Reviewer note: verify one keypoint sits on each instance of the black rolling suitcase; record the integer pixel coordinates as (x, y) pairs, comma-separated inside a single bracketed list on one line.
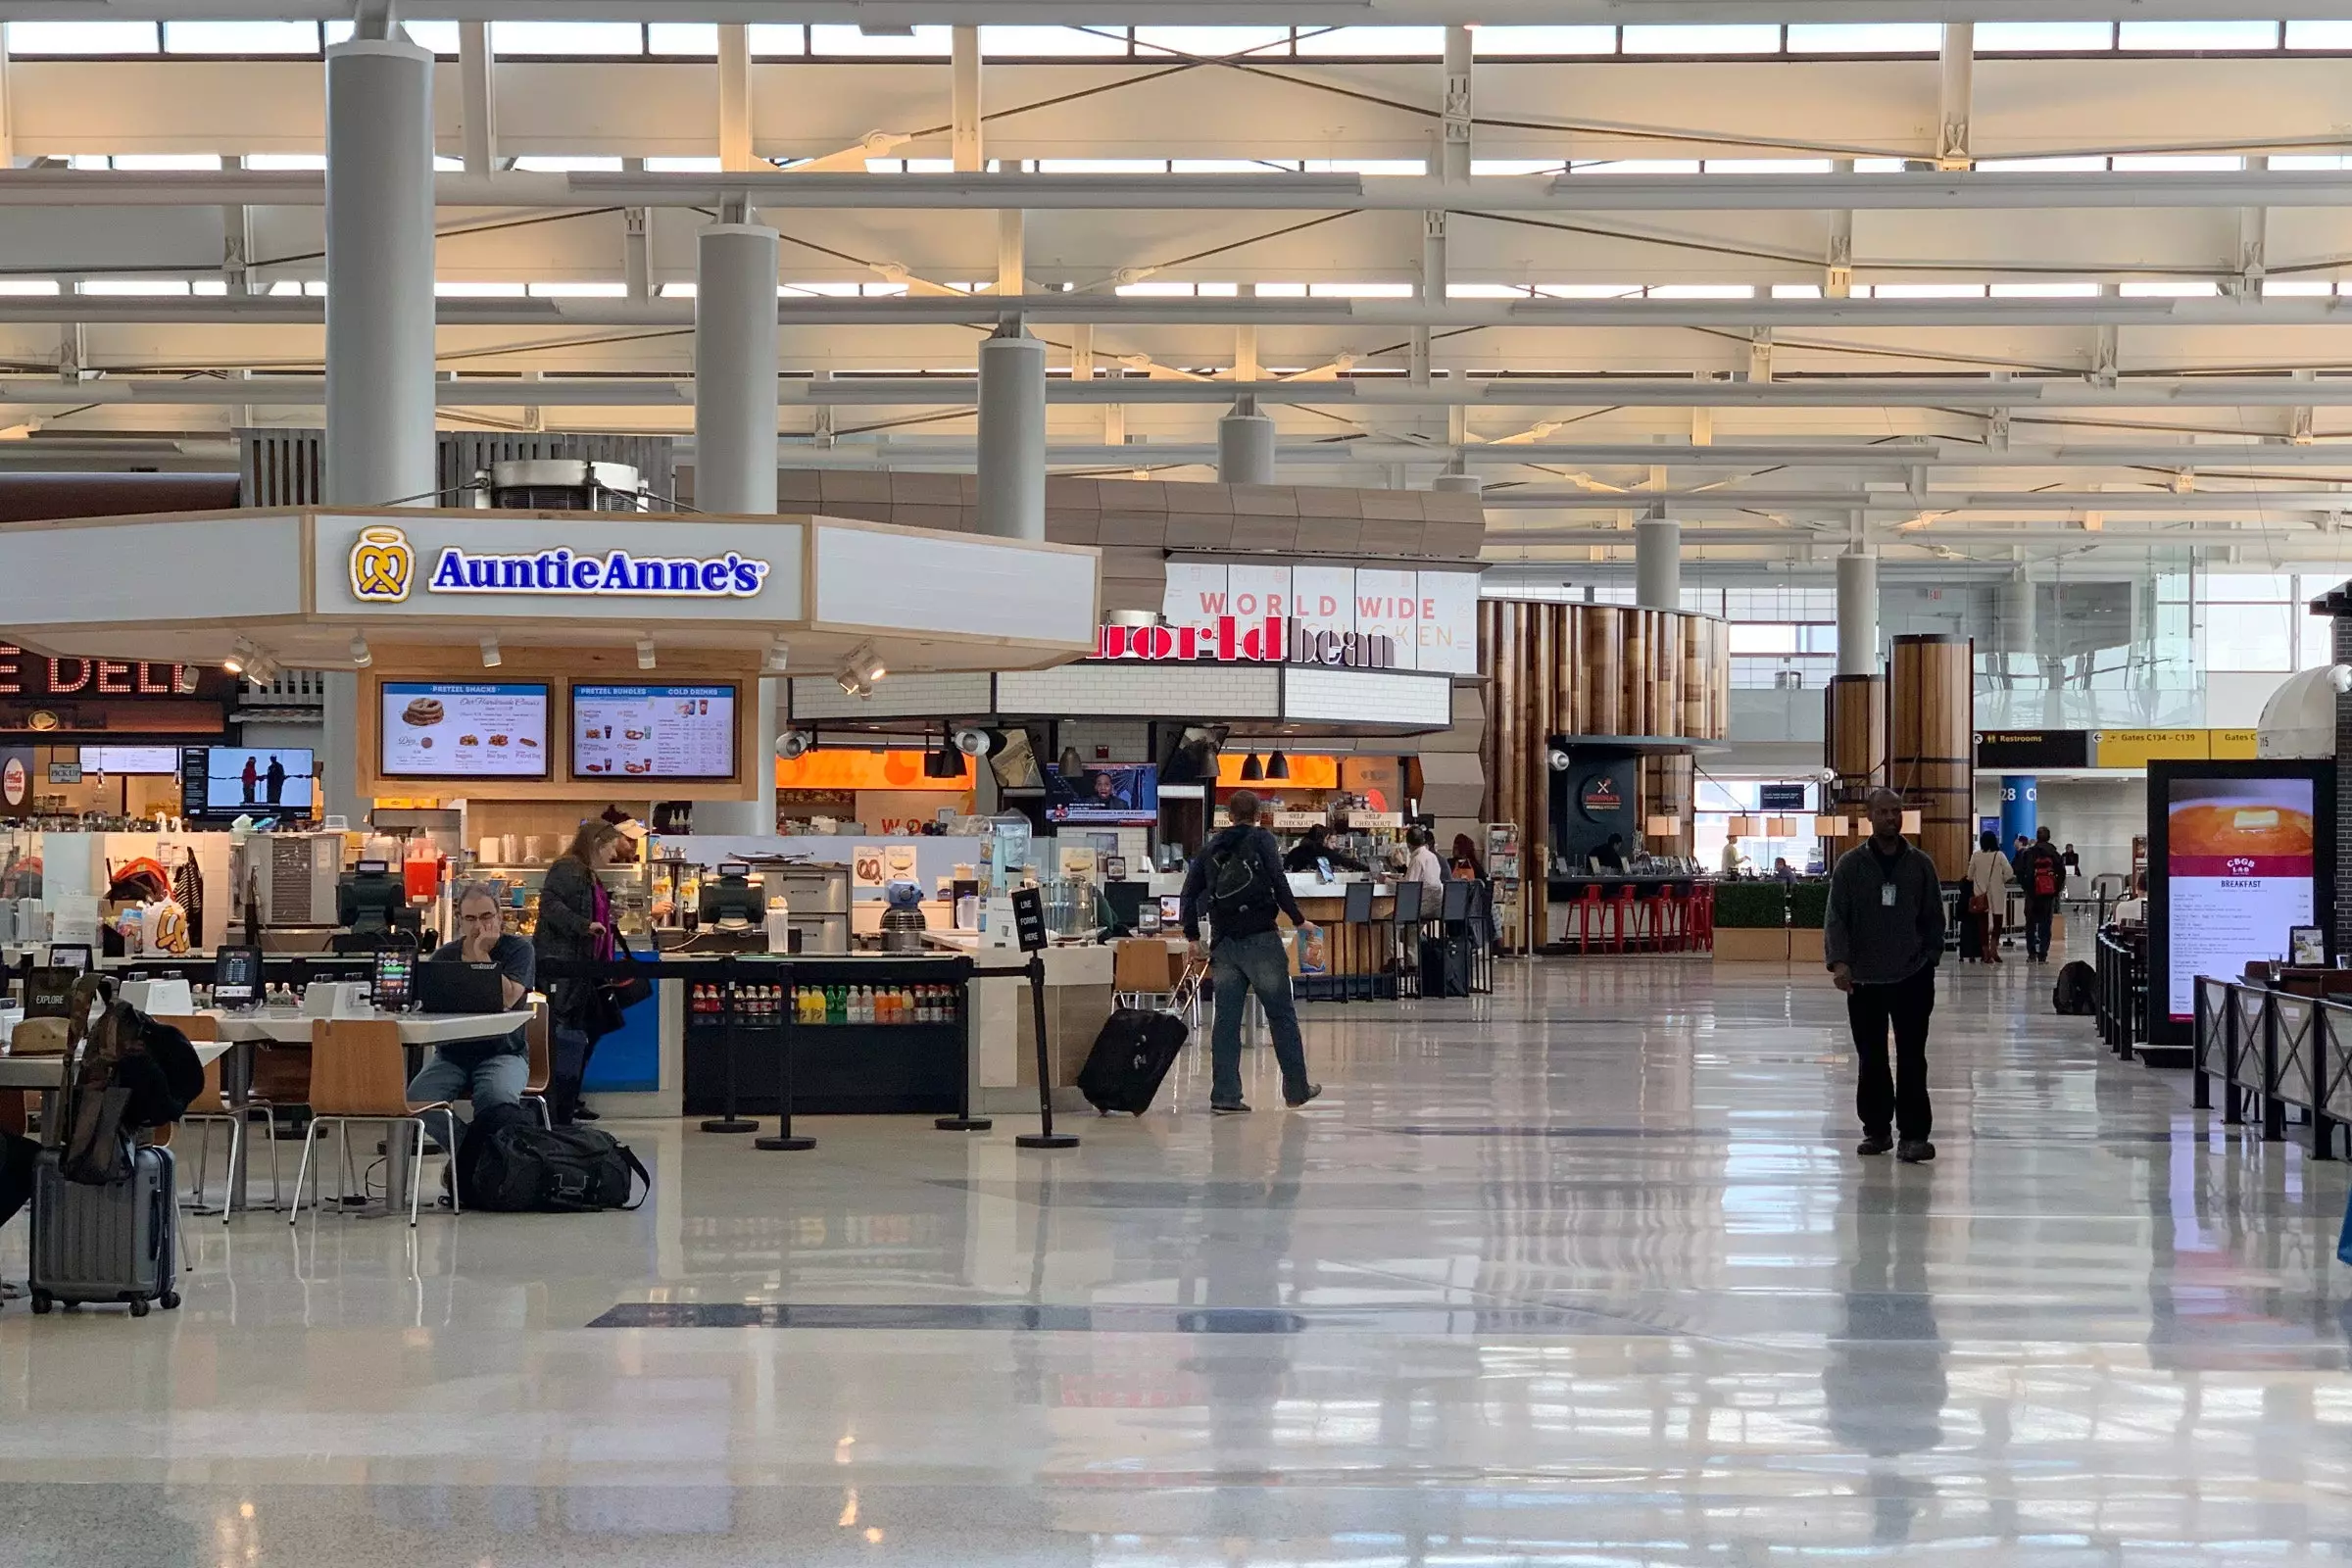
[(1444, 967), (1131, 1060)]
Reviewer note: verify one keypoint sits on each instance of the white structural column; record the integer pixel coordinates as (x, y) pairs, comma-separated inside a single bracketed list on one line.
[(735, 98), (379, 320), (1658, 563), (1245, 444), (1453, 168), (1858, 613), (963, 100), (1012, 434), (1956, 95), (379, 273), (475, 64), (735, 446)]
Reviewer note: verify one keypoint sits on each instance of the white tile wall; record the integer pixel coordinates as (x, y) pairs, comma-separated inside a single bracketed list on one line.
[(896, 696), (1127, 739), (1144, 691), (1368, 696)]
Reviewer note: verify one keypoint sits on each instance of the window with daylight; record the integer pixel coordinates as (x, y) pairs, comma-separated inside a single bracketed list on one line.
[(83, 38)]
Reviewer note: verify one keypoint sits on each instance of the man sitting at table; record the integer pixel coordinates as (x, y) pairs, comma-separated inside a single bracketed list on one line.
[(493, 1071)]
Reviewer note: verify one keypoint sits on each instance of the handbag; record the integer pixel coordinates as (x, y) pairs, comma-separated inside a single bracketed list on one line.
[(618, 994)]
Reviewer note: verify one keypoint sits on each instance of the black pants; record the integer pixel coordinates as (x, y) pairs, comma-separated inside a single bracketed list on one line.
[(2039, 912), (568, 1058), (1900, 1101)]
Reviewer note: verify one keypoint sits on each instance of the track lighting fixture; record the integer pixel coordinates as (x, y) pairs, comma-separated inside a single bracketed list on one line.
[(778, 657), (362, 656), (491, 656), (645, 652)]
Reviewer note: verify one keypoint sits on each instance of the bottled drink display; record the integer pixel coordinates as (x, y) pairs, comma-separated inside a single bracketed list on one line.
[(763, 1006)]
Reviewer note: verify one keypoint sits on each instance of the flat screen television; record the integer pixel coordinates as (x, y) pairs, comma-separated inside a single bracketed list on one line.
[(1108, 795), (457, 730), (663, 733), (119, 761), (227, 781)]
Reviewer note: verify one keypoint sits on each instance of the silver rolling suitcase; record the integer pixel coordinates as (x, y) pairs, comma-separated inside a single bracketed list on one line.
[(105, 1243)]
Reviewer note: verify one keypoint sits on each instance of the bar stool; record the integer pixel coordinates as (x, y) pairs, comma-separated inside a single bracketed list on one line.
[(1405, 938), (1627, 904), (1356, 926), (1669, 913), (1587, 912), (1703, 917)]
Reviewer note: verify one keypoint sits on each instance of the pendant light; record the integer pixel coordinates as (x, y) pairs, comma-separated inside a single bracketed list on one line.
[(1278, 766), (1252, 769)]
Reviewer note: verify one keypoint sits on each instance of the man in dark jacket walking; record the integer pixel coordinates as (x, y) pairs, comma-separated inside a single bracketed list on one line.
[(1238, 881), (2041, 873), (1883, 938)]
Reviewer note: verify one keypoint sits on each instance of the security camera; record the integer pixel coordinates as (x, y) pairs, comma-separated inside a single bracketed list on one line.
[(1561, 760), (971, 741), (794, 743), (2340, 676)]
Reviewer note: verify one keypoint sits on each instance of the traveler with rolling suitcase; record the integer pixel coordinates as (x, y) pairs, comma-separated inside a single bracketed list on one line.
[(1137, 1047), (1239, 883)]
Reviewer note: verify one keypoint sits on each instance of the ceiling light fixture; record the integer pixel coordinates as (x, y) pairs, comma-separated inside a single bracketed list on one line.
[(241, 653), (361, 655), (645, 652), (859, 670), (779, 656), (1278, 766), (1252, 769), (491, 656)]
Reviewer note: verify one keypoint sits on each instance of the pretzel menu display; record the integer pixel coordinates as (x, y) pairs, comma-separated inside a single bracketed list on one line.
[(459, 730)]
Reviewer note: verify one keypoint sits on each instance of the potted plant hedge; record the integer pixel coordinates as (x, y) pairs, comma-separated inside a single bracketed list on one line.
[(1751, 922)]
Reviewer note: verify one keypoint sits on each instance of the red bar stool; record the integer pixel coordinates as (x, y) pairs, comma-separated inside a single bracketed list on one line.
[(1703, 917), (1669, 913), (1627, 903), (1588, 914)]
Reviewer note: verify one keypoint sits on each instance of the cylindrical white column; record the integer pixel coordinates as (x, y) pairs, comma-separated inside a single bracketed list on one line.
[(1858, 613), (1246, 445), (1658, 563), (2013, 608), (379, 273), (735, 370), (1012, 437), (735, 453)]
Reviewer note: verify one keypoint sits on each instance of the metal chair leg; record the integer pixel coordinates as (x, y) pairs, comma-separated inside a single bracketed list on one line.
[(269, 1122), (203, 1154), (309, 1136), (416, 1172), (236, 1145)]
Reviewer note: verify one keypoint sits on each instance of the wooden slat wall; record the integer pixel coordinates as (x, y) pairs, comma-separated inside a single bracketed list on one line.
[(1931, 752), (1593, 669), (1853, 747), (1668, 782)]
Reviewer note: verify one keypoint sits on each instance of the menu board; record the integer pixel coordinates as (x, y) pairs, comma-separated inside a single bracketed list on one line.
[(462, 730), (655, 732), (2239, 859)]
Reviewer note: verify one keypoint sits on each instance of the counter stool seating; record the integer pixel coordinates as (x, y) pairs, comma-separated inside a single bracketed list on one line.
[(360, 1073), (1630, 924), (1668, 917), (1355, 922), (1589, 914), (212, 1108), (1405, 938), (534, 1089), (1703, 917)]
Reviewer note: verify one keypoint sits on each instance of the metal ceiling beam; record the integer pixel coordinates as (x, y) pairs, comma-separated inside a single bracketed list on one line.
[(957, 391), (1123, 12), (779, 189), (2302, 540), (2127, 503)]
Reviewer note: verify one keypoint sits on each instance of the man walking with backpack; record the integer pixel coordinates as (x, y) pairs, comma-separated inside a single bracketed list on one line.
[(2041, 873), (1239, 883)]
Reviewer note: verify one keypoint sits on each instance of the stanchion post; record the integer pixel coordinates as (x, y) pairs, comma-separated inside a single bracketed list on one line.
[(1029, 922), (963, 1121), (731, 1122), (785, 1139)]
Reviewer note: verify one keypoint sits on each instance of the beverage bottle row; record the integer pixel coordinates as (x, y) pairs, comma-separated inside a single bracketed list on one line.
[(883, 1004)]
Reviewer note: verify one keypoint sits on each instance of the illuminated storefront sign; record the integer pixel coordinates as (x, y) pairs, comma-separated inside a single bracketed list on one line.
[(384, 568), (1266, 639)]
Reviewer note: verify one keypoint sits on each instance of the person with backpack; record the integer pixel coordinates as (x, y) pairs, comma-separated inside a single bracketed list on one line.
[(1237, 880), (2041, 873)]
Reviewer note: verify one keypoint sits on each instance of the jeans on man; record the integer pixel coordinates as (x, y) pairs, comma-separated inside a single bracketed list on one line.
[(2039, 914), (1900, 1099), (1238, 965), (567, 1072), (491, 1080)]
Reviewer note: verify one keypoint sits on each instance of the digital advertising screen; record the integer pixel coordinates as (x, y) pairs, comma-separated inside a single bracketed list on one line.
[(1108, 795), (245, 781), (117, 760), (454, 730), (653, 732), (2239, 857)]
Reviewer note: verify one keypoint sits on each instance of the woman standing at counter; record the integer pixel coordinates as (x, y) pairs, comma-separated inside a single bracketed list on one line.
[(575, 924)]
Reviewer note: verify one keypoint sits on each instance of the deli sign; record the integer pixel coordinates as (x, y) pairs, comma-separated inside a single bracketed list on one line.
[(1266, 639)]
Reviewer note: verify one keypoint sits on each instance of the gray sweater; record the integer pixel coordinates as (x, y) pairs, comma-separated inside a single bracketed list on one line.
[(1882, 943)]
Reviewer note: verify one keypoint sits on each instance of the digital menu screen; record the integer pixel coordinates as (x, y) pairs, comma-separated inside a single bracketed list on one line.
[(657, 732), (460, 730), (2240, 863)]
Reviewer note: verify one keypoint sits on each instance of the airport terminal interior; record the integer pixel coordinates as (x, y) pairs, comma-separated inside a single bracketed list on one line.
[(1330, 782)]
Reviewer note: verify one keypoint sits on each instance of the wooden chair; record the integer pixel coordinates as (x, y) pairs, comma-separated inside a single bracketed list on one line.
[(535, 1091), (360, 1073), (212, 1108)]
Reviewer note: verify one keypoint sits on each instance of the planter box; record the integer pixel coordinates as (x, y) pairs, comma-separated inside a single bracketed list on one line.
[(1804, 946), (1752, 945)]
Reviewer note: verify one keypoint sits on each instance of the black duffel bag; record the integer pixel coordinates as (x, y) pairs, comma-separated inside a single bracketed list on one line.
[(508, 1164)]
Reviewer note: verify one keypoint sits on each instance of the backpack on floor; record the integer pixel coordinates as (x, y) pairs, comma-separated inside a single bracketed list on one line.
[(2076, 993), (508, 1164)]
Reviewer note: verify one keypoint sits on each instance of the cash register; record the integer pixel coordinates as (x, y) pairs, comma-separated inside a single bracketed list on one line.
[(372, 903), (733, 913)]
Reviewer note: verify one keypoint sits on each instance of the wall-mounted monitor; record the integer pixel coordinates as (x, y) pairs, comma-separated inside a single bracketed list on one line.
[(1107, 795), (460, 730), (663, 733), (116, 762), (229, 781)]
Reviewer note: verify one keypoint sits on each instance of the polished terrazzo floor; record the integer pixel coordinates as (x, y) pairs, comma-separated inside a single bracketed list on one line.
[(1582, 1272)]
